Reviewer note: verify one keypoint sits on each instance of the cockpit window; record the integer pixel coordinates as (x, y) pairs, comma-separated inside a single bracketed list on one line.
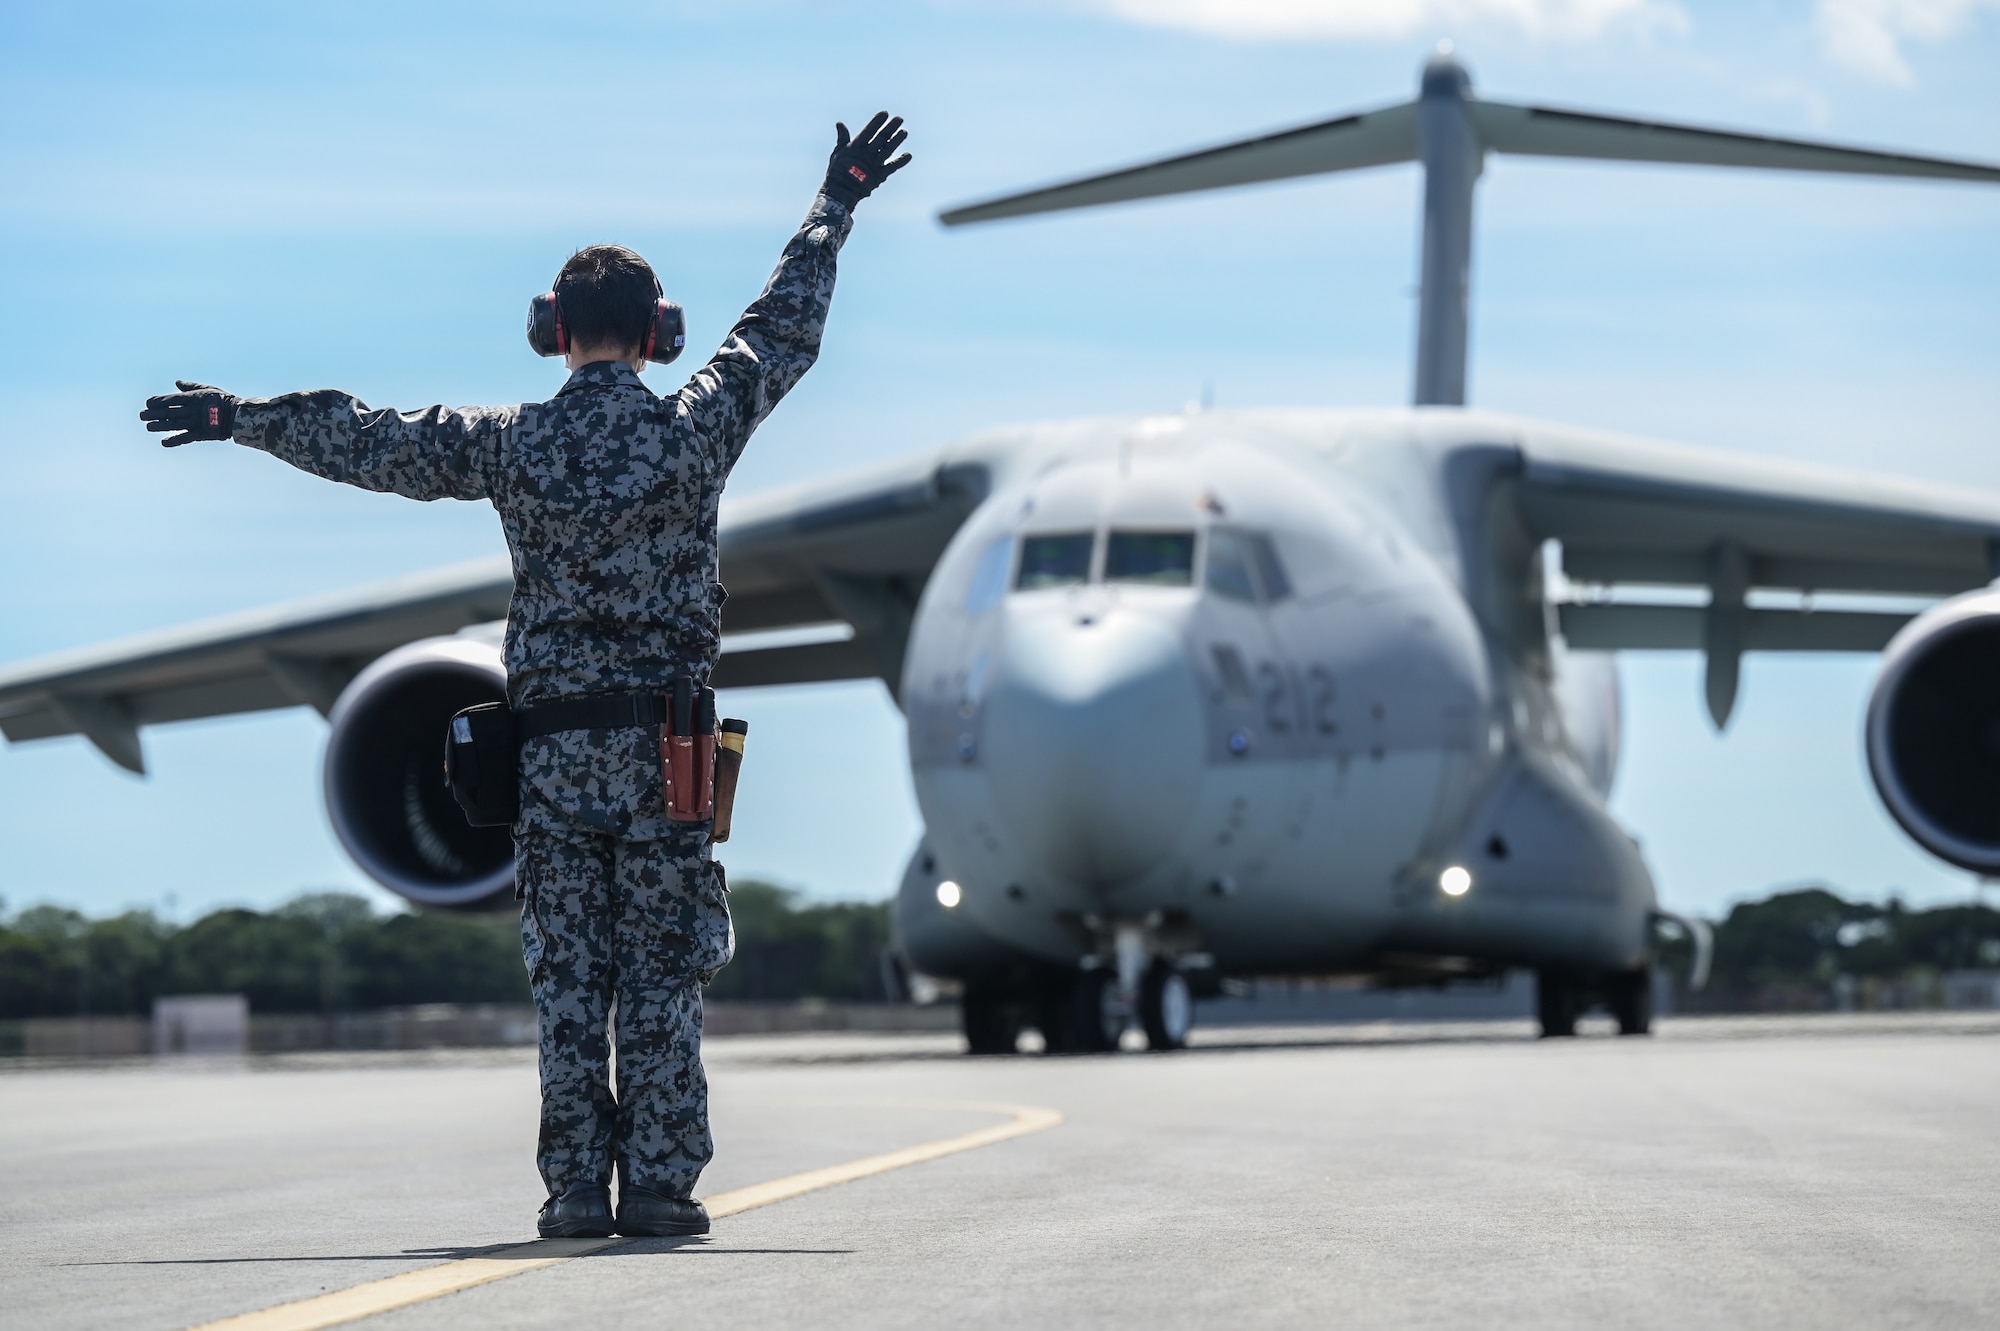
[(1229, 566), (1164, 558), (1054, 561), (1243, 563), (1270, 571)]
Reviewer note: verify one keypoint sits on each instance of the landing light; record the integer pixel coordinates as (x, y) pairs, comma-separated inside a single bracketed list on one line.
[(949, 896), (1454, 882)]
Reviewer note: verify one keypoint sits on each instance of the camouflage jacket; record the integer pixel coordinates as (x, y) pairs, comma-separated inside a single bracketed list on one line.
[(607, 492)]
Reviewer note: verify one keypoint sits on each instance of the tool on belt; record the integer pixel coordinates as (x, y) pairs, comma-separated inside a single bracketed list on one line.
[(728, 765), (698, 763), (687, 752)]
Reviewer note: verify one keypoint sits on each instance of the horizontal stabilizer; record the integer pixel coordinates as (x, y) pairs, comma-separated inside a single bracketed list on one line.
[(1373, 138), (1541, 131)]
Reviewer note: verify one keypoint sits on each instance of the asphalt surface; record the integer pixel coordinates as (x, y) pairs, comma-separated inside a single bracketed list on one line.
[(1769, 1173)]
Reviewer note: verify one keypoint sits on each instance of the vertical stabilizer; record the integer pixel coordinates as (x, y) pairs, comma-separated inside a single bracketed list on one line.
[(1453, 158)]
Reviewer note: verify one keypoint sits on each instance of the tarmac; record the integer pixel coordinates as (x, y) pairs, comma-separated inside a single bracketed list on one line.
[(1767, 1172)]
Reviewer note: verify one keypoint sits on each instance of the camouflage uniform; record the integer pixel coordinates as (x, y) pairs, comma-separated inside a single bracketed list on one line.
[(608, 497)]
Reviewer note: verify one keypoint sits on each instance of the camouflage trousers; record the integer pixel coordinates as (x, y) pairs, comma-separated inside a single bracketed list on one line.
[(619, 935)]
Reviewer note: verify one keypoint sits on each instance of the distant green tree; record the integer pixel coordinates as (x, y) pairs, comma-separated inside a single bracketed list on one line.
[(1949, 937), (1809, 935), (38, 963), (277, 961), (437, 958), (1787, 938), (787, 950), (126, 959)]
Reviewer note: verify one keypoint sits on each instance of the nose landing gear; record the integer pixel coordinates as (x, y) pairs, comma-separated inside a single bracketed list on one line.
[(1166, 1007), (1142, 974), (1093, 1016)]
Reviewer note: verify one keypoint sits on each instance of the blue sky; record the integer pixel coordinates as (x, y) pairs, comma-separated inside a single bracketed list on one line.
[(365, 195)]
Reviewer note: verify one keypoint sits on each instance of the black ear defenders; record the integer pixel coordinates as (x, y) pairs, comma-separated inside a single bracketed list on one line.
[(666, 335)]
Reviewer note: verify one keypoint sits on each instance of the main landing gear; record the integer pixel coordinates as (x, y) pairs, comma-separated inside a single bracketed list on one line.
[(1562, 995)]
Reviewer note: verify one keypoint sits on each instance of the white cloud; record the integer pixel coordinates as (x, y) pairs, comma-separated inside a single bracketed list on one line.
[(1561, 20), (1867, 35)]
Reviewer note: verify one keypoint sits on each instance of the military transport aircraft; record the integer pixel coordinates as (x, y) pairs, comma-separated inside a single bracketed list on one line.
[(1220, 694)]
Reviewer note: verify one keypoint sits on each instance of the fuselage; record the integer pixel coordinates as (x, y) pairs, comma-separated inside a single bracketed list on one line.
[(1253, 683)]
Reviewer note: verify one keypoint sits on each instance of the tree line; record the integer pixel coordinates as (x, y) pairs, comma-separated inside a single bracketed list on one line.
[(332, 952), (1810, 936)]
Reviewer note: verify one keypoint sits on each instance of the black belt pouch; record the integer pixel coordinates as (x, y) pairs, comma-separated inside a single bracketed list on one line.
[(482, 764)]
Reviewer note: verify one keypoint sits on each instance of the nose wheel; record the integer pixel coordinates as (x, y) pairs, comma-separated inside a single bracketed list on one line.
[(1091, 1013), (1093, 1018), (1166, 1007)]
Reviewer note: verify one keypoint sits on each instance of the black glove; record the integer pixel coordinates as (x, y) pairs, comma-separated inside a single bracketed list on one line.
[(198, 411), (858, 166)]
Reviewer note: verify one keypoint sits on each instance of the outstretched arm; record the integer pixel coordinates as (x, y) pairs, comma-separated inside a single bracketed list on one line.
[(436, 453), (778, 337)]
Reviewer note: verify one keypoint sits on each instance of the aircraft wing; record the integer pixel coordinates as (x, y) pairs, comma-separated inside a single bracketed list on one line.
[(854, 551), (1631, 513), (303, 653)]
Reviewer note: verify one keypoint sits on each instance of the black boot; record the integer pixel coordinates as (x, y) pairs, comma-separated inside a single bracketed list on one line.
[(579, 1212), (646, 1214)]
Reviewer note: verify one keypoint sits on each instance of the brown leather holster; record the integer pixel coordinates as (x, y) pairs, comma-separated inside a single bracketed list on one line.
[(687, 752)]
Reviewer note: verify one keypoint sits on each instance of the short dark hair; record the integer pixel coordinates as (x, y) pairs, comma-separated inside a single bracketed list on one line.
[(606, 295)]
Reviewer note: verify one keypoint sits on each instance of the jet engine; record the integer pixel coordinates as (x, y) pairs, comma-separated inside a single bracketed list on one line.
[(384, 777), (1934, 730)]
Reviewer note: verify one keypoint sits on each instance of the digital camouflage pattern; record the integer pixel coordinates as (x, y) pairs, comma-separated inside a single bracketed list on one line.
[(608, 497), (619, 935)]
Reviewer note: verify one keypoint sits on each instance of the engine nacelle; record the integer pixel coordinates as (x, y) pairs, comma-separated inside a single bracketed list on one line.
[(1934, 730), (384, 776)]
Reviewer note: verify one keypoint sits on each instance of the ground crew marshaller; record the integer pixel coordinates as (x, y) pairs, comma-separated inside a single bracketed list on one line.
[(607, 494)]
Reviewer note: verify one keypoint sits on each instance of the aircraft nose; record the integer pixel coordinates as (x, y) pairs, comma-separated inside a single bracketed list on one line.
[(1092, 740)]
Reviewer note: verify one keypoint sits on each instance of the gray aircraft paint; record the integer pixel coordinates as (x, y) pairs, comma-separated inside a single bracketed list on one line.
[(1282, 781)]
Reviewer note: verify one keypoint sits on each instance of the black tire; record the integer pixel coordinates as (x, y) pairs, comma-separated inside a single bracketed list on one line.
[(1166, 1007), (1049, 1013), (1632, 1001), (1558, 1002), (989, 1023), (1094, 1025)]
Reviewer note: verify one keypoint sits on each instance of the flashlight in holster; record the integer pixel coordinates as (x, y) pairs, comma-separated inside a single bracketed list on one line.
[(728, 766)]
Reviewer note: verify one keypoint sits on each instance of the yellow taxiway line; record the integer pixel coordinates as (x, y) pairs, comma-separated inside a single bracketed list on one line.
[(379, 1296)]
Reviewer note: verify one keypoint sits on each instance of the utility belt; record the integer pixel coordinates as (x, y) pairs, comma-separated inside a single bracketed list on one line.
[(700, 760)]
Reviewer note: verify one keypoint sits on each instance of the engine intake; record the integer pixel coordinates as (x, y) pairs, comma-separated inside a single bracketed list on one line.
[(384, 777), (1934, 731)]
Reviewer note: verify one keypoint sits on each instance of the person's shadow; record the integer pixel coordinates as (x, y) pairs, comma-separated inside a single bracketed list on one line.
[(690, 1244)]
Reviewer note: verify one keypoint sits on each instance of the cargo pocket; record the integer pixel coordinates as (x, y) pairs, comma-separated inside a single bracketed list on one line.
[(715, 933)]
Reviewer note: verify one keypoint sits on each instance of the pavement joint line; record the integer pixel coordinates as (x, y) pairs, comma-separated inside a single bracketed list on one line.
[(380, 1296)]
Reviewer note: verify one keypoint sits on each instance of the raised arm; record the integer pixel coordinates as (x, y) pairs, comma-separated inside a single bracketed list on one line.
[(778, 337), (436, 453)]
